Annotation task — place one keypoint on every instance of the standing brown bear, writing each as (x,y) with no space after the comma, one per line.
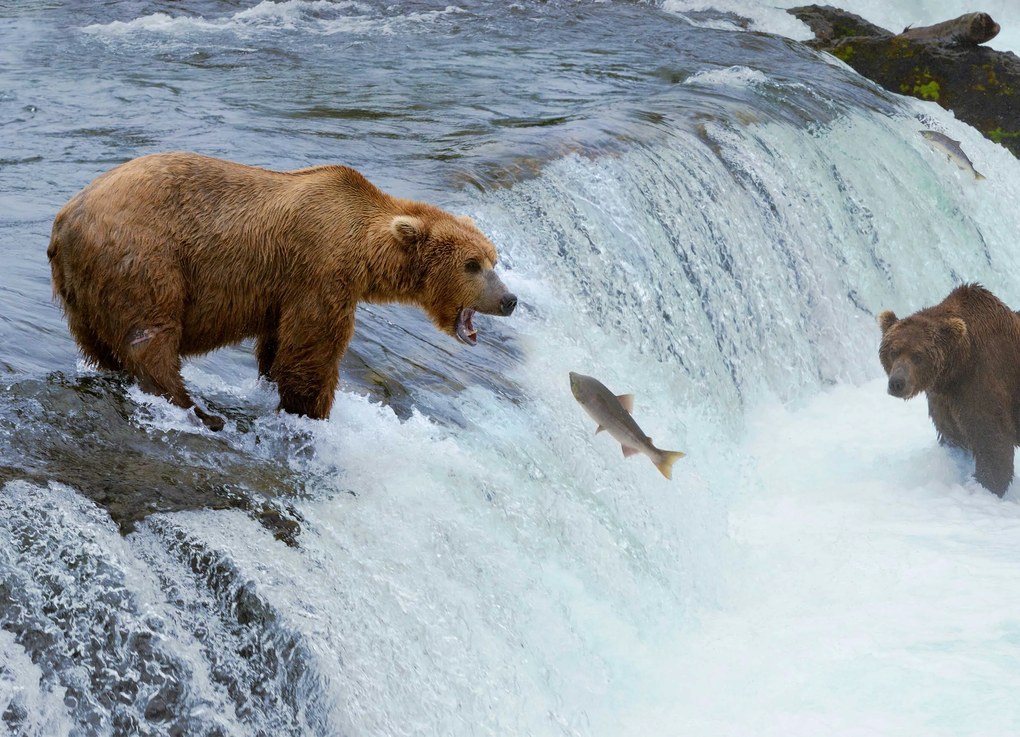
(965,355)
(176,254)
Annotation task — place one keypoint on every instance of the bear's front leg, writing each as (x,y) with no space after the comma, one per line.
(993,458)
(306,366)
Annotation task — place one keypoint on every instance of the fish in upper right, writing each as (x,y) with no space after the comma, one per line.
(612,413)
(951,148)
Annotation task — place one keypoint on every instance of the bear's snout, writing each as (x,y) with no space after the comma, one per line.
(495,298)
(508,304)
(899,382)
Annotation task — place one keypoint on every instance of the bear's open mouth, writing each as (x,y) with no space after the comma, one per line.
(465,330)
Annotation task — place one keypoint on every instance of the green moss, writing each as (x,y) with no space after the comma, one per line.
(900,48)
(928,91)
(993,83)
(843,52)
(998,135)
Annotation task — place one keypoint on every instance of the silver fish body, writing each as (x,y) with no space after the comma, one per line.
(612,413)
(952,149)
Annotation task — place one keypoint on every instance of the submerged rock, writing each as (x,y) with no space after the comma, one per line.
(943,63)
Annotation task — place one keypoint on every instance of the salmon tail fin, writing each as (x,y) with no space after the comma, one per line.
(669,457)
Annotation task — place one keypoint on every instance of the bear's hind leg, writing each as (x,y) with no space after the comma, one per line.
(95,350)
(153,358)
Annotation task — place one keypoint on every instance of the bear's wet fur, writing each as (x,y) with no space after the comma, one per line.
(176,254)
(964,354)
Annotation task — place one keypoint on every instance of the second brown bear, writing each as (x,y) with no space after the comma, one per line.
(964,354)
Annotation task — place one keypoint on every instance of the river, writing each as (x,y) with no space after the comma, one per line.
(695,209)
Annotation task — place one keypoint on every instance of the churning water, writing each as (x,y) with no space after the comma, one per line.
(706,216)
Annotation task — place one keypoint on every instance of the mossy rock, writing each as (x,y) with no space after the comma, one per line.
(977,83)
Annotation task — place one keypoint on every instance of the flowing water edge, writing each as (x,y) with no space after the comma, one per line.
(692,207)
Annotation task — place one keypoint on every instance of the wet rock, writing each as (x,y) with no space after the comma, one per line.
(831,24)
(941,63)
(80,432)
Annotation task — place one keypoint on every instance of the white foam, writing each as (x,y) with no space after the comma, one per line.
(319,17)
(71,567)
(762,17)
(831,569)
(735,76)
(874,590)
(29,701)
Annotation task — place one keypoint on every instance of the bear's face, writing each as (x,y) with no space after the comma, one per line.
(917,350)
(456,265)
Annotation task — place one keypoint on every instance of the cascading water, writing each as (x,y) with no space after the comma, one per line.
(472,559)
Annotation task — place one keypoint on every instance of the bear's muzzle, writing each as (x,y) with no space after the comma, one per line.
(900,384)
(495,299)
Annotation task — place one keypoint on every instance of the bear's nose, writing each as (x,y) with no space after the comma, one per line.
(508,304)
(899,381)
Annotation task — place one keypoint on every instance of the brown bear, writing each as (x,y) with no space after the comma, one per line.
(176,254)
(964,353)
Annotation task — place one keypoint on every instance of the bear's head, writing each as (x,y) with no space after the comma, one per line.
(455,271)
(921,352)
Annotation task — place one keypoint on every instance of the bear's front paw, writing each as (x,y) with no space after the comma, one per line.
(213,422)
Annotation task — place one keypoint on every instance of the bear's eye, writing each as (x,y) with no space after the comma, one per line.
(472,267)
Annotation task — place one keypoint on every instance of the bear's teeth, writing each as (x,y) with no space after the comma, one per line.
(465,329)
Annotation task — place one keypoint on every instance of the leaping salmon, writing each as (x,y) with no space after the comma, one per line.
(613,414)
(951,148)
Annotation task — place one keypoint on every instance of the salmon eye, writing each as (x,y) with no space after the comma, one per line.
(472,267)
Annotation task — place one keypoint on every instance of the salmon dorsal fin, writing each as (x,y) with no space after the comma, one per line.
(627,402)
(628,452)
(599,429)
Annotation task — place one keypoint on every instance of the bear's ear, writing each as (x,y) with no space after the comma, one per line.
(955,327)
(886,320)
(407,229)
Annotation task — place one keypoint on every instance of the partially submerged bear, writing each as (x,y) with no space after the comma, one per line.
(964,353)
(177,254)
